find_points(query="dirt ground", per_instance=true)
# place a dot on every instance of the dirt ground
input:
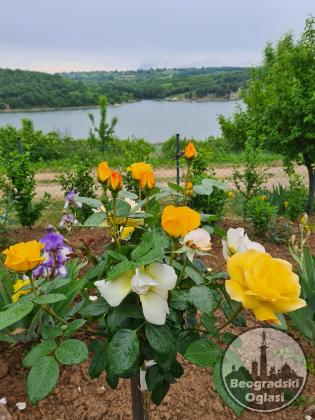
(192, 397)
(45, 181)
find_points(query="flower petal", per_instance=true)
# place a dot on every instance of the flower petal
(114, 291)
(164, 275)
(155, 308)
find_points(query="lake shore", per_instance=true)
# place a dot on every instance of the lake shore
(73, 108)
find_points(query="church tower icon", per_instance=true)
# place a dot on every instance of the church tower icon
(263, 357)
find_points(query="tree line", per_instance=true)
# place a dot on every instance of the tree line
(30, 89)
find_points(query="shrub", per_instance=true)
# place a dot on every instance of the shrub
(260, 213)
(79, 175)
(279, 230)
(22, 189)
(296, 197)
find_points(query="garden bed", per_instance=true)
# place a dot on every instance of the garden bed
(77, 396)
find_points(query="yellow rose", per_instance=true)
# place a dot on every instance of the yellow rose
(126, 232)
(138, 169)
(23, 256)
(147, 180)
(103, 172)
(264, 284)
(190, 151)
(178, 221)
(115, 181)
(17, 289)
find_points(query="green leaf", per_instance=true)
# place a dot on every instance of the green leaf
(119, 269)
(228, 338)
(160, 338)
(184, 340)
(220, 388)
(123, 352)
(42, 378)
(91, 202)
(180, 299)
(127, 194)
(176, 369)
(203, 353)
(208, 322)
(74, 326)
(95, 309)
(112, 380)
(154, 377)
(155, 254)
(98, 362)
(50, 332)
(47, 299)
(144, 246)
(116, 255)
(122, 208)
(129, 310)
(72, 352)
(175, 187)
(95, 219)
(159, 393)
(14, 313)
(42, 349)
(194, 275)
(203, 299)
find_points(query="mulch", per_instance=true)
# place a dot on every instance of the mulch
(192, 397)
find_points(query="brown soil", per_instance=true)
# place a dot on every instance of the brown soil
(79, 397)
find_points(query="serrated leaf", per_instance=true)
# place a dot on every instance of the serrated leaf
(194, 275)
(50, 332)
(159, 393)
(14, 313)
(95, 309)
(180, 299)
(42, 378)
(155, 254)
(160, 338)
(42, 349)
(72, 352)
(91, 202)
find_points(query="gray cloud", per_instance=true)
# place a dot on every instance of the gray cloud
(56, 35)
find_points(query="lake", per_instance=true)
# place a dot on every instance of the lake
(153, 120)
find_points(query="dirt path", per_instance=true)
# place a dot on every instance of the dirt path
(46, 181)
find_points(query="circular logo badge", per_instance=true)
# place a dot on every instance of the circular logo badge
(264, 370)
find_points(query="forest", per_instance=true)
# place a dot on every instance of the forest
(30, 89)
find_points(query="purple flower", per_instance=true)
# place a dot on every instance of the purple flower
(52, 241)
(71, 199)
(56, 253)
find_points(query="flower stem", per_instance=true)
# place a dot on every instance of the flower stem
(182, 272)
(231, 318)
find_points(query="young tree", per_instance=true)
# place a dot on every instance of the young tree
(280, 103)
(105, 131)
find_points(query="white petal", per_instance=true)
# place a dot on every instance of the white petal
(235, 237)
(155, 308)
(200, 237)
(114, 291)
(21, 405)
(3, 401)
(248, 244)
(164, 275)
(225, 249)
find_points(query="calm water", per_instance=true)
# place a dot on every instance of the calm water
(152, 120)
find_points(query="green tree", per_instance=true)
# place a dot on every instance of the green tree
(105, 130)
(280, 103)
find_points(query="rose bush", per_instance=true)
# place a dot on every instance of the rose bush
(155, 297)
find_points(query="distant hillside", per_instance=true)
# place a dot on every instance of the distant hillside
(30, 89)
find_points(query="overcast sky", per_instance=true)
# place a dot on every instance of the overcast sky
(65, 35)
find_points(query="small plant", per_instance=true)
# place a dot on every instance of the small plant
(250, 180)
(21, 184)
(296, 197)
(260, 213)
(79, 177)
(279, 230)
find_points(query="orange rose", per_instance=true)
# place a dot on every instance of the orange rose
(103, 172)
(147, 180)
(190, 151)
(178, 221)
(23, 256)
(138, 169)
(115, 181)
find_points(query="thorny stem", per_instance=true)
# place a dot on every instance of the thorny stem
(231, 318)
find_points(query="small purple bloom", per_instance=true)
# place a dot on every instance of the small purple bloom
(71, 199)
(52, 241)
